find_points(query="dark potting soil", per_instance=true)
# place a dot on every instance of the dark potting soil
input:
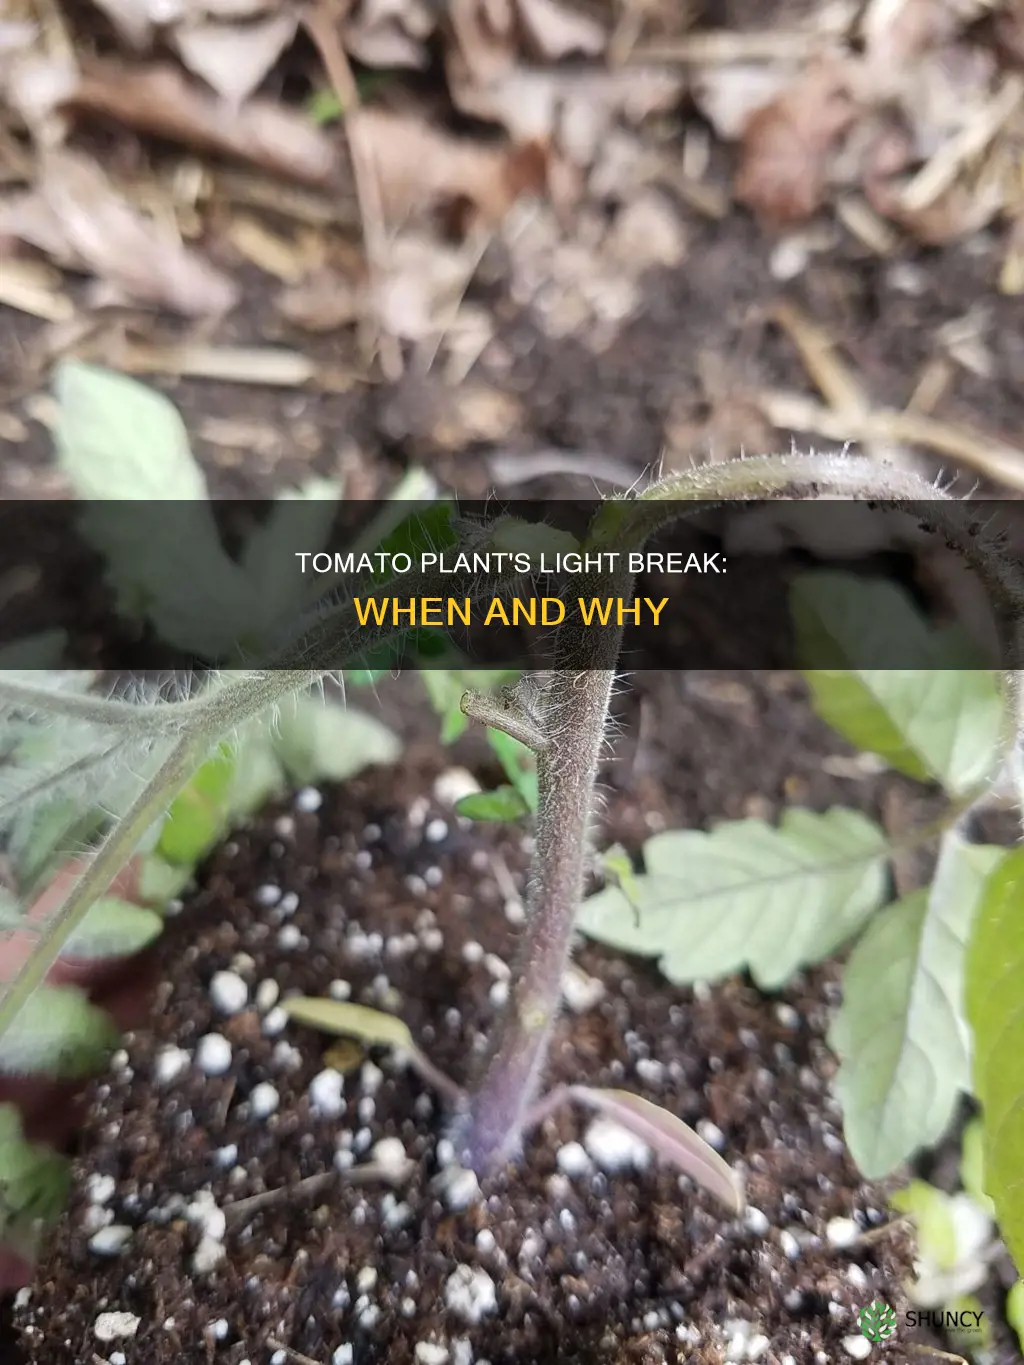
(570, 1258)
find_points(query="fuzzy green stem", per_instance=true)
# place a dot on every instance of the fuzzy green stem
(573, 713)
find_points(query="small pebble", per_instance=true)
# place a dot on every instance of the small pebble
(581, 992)
(115, 1326)
(207, 1256)
(842, 1232)
(572, 1159)
(429, 1353)
(213, 1054)
(289, 936)
(228, 993)
(111, 1240)
(170, 1063)
(274, 1022)
(614, 1148)
(326, 1092)
(308, 800)
(343, 1355)
(268, 993)
(470, 1294)
(264, 1100)
(101, 1188)
(857, 1347)
(390, 1155)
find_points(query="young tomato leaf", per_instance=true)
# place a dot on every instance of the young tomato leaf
(34, 1184)
(1015, 1310)
(671, 1139)
(932, 1213)
(501, 805)
(939, 720)
(995, 973)
(320, 741)
(114, 928)
(901, 1033)
(972, 1165)
(747, 896)
(118, 441)
(59, 1033)
(198, 814)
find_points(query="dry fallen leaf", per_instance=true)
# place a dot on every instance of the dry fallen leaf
(78, 216)
(390, 33)
(422, 282)
(786, 145)
(647, 233)
(553, 31)
(728, 96)
(234, 59)
(419, 168)
(161, 100)
(324, 302)
(575, 107)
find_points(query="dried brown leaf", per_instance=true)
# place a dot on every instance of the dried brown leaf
(422, 281)
(553, 31)
(390, 33)
(77, 215)
(161, 100)
(324, 302)
(135, 20)
(234, 59)
(419, 167)
(787, 144)
(728, 96)
(575, 108)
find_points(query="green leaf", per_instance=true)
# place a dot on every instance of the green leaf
(160, 881)
(901, 1033)
(34, 1185)
(504, 804)
(995, 991)
(59, 1033)
(972, 1165)
(321, 742)
(931, 1210)
(747, 896)
(940, 721)
(114, 928)
(258, 774)
(1015, 1310)
(42, 836)
(119, 441)
(372, 1027)
(519, 763)
(198, 814)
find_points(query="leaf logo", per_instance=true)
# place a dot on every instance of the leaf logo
(877, 1321)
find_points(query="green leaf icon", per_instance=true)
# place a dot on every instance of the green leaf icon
(877, 1322)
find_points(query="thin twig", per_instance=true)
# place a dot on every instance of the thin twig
(997, 460)
(321, 23)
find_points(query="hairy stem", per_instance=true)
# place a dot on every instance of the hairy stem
(571, 713)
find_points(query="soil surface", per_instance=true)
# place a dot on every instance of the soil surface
(381, 888)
